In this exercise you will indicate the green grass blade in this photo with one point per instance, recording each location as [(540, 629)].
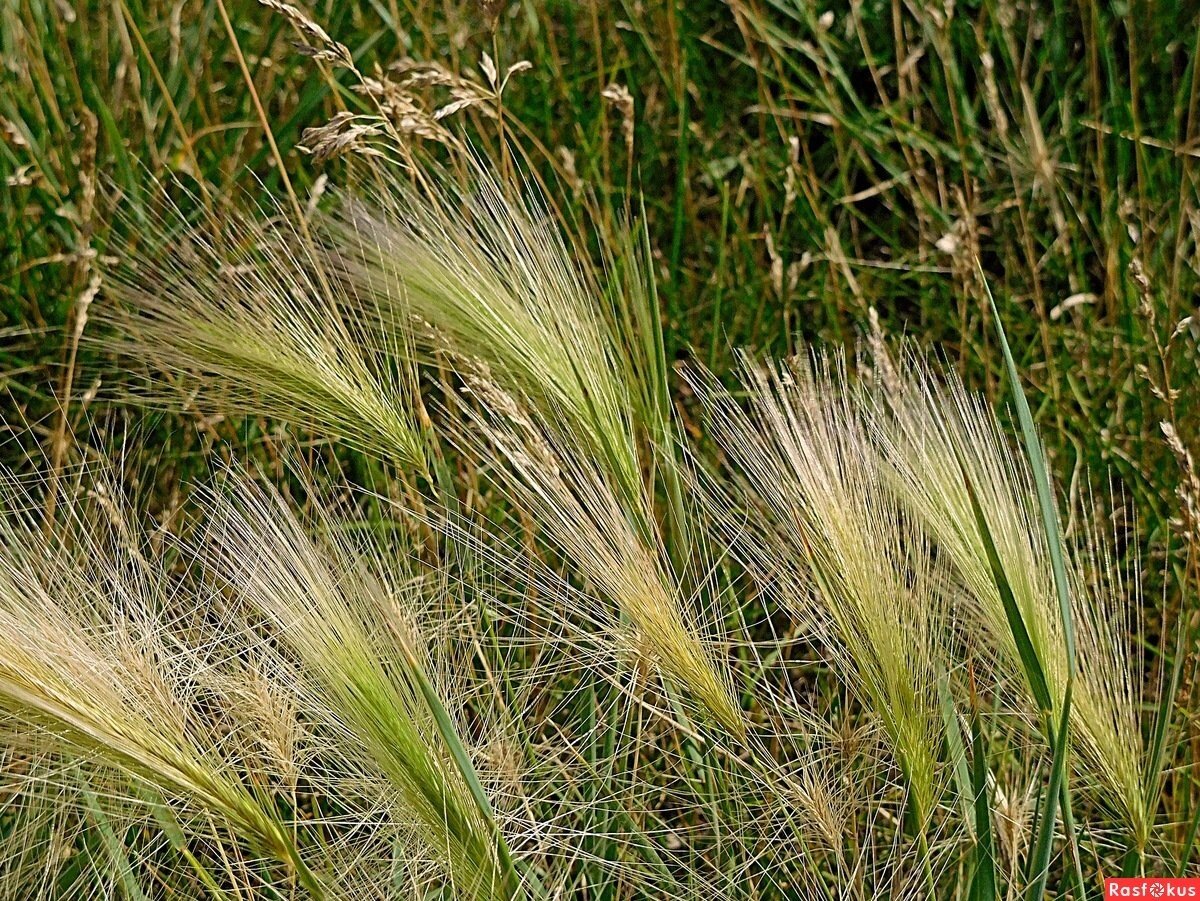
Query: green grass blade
[(173, 832), (114, 849), (1034, 674), (1152, 778), (983, 880), (954, 745), (1189, 844), (463, 761), (1054, 545), (1072, 835), (1043, 847), (1041, 478)]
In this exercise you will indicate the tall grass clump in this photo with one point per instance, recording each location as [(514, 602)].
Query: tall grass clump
[(567, 384), (554, 620), (946, 647), (942, 444), (275, 697), (611, 539), (90, 669), (820, 529), (363, 662), (566, 364), (483, 271)]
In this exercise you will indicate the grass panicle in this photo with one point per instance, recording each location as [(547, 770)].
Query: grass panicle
[(931, 434), (826, 535), (246, 320)]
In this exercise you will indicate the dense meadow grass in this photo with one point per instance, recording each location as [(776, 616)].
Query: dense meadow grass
[(598, 450)]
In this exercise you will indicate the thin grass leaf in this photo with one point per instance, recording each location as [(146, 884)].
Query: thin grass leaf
[(955, 747), (462, 760), (983, 879), (1189, 844), (175, 835), (1016, 622), (1041, 476), (1054, 545), (114, 848), (1153, 776), (1039, 860)]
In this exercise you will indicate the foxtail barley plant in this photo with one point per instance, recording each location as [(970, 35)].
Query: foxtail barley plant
[(587, 627)]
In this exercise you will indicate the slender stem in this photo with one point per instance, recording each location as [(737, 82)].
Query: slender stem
[(927, 862), (499, 88), (263, 121)]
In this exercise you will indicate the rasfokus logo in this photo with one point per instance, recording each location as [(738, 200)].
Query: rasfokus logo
[(1151, 887)]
